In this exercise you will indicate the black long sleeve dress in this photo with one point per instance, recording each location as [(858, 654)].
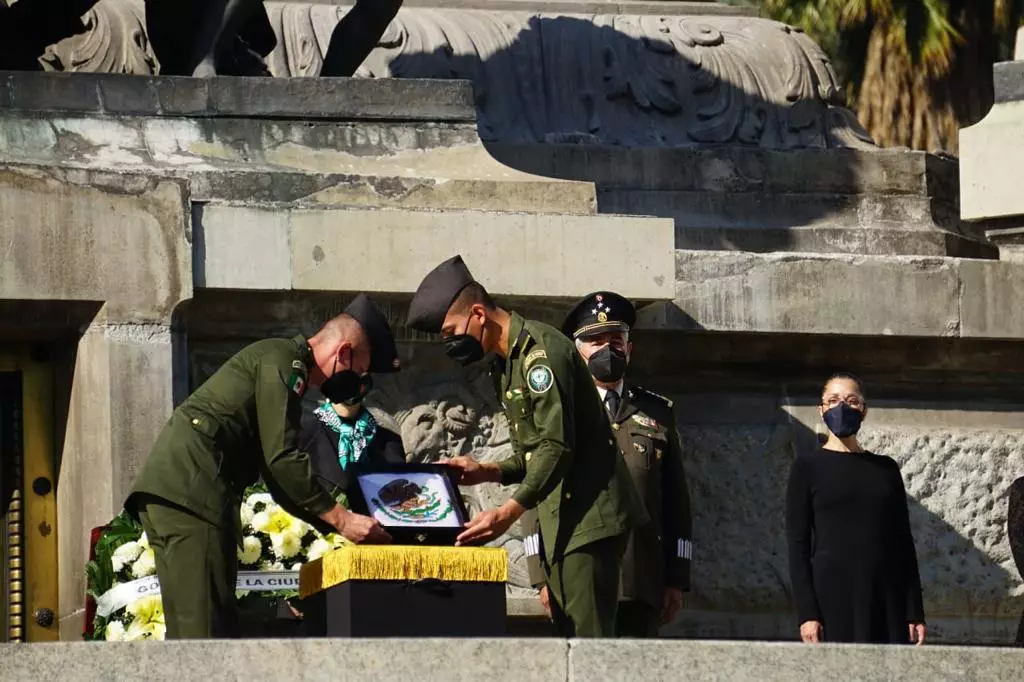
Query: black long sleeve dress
[(851, 554), (1015, 529)]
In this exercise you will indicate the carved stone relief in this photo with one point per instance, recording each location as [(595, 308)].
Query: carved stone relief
[(114, 41), (635, 80)]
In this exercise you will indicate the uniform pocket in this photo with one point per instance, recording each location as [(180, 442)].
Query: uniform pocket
[(208, 429), (519, 410), (204, 425)]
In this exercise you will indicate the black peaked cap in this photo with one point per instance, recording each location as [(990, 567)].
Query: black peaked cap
[(436, 294), (383, 355), (598, 312)]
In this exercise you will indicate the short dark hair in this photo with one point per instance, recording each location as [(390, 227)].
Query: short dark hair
[(849, 377), (472, 294)]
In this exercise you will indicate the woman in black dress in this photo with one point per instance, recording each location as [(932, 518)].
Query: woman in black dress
[(851, 553), (1015, 530)]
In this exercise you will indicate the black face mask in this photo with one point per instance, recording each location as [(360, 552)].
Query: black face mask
[(346, 387), (608, 364), (843, 420), (464, 349)]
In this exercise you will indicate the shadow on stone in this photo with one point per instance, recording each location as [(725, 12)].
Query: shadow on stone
[(28, 26), (629, 113)]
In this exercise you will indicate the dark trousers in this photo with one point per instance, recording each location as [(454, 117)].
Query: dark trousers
[(637, 620), (197, 564), (584, 589)]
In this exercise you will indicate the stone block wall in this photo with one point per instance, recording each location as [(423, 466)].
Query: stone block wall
[(746, 405)]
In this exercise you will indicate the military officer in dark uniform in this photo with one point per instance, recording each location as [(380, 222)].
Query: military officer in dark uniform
[(241, 424), (564, 455), (656, 568)]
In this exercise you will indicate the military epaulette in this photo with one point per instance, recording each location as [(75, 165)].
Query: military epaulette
[(529, 350), (652, 394)]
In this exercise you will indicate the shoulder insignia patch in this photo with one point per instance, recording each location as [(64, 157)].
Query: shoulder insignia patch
[(534, 356), (540, 378), (297, 380), (297, 383), (644, 420)]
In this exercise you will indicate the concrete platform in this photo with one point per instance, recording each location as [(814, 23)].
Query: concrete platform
[(532, 660)]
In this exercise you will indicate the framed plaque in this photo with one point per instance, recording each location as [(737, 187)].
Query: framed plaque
[(418, 504)]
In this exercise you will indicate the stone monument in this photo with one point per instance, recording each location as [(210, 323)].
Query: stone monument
[(687, 154)]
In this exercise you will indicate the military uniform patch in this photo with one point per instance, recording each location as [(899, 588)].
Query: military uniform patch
[(540, 378), (534, 356), (297, 383), (644, 420)]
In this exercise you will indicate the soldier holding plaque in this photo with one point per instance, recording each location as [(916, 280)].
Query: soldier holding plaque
[(565, 460)]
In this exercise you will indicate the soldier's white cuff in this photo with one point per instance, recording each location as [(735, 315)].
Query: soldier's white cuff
[(531, 544), (684, 549)]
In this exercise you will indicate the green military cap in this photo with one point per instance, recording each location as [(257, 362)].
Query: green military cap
[(383, 355), (436, 294), (601, 311)]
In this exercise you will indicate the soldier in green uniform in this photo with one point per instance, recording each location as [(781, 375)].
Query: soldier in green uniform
[(656, 568), (565, 458), (241, 424)]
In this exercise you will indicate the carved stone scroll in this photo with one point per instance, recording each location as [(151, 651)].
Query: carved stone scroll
[(631, 80)]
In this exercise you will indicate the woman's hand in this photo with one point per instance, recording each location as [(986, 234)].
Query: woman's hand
[(917, 633), (810, 632)]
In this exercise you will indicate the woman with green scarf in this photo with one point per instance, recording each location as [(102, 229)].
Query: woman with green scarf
[(337, 435)]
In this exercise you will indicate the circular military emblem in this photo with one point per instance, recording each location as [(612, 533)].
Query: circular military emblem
[(602, 316), (540, 379)]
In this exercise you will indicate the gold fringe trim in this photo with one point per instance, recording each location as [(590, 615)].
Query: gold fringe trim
[(400, 562)]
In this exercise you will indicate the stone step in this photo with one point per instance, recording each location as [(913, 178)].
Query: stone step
[(820, 201), (513, 659), (837, 294), (399, 142), (290, 247), (268, 188)]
